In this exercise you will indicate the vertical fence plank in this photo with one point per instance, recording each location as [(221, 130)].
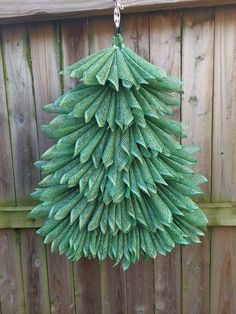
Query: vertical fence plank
[(23, 130), (196, 276), (197, 73), (140, 286), (45, 54), (21, 110), (74, 35), (223, 253), (86, 273), (44, 57), (224, 122), (100, 32), (113, 280), (130, 33), (223, 276), (165, 45), (7, 190), (168, 282), (143, 271), (74, 38), (113, 288), (87, 286), (34, 268), (61, 279), (113, 295), (44, 49), (34, 273), (60, 282), (165, 40), (11, 286)]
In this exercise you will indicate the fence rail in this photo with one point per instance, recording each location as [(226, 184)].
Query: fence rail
[(20, 10), (218, 214)]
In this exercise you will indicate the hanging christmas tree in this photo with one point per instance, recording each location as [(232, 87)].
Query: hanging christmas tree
[(117, 183)]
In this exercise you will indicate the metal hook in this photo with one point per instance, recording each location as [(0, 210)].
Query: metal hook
[(118, 3), (117, 7)]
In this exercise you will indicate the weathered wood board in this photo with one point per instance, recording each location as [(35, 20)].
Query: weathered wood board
[(223, 253), (16, 10), (165, 52), (196, 112)]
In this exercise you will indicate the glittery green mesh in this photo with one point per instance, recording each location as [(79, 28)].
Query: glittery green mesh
[(117, 182)]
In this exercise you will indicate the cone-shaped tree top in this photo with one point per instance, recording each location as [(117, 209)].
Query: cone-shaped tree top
[(119, 65), (117, 183)]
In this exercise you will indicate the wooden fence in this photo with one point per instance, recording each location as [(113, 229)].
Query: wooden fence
[(198, 45)]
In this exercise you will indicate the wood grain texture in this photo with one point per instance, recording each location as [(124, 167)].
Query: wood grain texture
[(34, 272), (45, 58), (11, 285), (197, 74), (87, 286), (61, 284), (168, 282), (220, 214), (113, 288), (100, 32), (16, 217), (20, 97), (7, 189), (223, 277), (21, 110), (131, 33), (223, 253), (196, 276), (165, 41), (74, 46), (165, 45), (74, 35), (38, 10), (224, 120), (140, 288), (60, 272), (140, 285)]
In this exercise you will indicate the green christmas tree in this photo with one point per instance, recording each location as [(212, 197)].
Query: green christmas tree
[(117, 183)]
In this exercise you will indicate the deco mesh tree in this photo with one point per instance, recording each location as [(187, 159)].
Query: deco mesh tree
[(117, 183)]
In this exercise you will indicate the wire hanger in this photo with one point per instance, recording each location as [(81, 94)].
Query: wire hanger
[(117, 7)]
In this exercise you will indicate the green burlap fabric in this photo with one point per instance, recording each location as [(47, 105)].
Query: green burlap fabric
[(117, 183)]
